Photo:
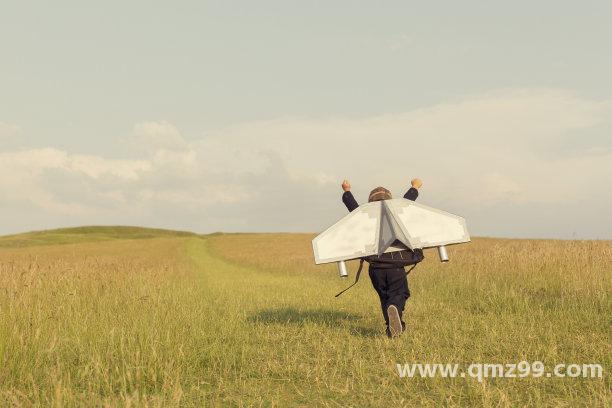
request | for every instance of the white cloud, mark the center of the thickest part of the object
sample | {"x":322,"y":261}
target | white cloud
{"x":96,"y":167}
{"x":505,"y":154}
{"x":36,"y":161}
{"x":155,"y":135}
{"x":507,"y":135}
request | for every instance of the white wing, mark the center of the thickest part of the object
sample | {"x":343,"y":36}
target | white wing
{"x":376,"y":227}
{"x":425,"y":227}
{"x":352,"y":237}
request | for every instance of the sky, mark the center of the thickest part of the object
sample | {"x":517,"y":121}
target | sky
{"x":246,"y":116}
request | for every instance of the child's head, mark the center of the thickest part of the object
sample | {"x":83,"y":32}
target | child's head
{"x":379,"y":193}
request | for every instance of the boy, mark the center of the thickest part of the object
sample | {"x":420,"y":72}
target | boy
{"x":387,"y":271}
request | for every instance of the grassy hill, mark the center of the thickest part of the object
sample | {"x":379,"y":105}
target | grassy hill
{"x":247,"y":319}
{"x":85,"y":234}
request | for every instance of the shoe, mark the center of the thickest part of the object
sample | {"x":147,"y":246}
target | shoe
{"x":395,"y":323}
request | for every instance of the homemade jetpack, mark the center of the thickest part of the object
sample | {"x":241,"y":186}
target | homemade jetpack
{"x":388,"y":226}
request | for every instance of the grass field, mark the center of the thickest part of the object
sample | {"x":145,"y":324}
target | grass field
{"x":131,"y":317}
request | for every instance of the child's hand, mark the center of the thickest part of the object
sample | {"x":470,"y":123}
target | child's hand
{"x":416,"y":183}
{"x":346,"y":186}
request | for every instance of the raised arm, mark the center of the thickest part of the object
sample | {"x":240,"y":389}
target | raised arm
{"x":413,"y":192}
{"x":347,"y":197}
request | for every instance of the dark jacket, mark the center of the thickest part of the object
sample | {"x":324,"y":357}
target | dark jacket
{"x":351,"y":203}
{"x":397,"y":259}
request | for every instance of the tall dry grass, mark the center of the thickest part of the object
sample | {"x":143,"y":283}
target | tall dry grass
{"x":95,"y":323}
{"x":248,"y":320}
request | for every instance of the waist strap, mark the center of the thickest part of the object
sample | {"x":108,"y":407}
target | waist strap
{"x":359,"y":274}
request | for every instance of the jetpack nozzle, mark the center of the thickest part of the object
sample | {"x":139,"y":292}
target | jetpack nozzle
{"x":342,"y":269}
{"x":442,"y":254}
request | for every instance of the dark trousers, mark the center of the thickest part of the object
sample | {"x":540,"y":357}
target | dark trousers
{"x":391,"y":284}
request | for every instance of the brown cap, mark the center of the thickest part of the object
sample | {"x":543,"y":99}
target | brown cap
{"x":378,"y":194}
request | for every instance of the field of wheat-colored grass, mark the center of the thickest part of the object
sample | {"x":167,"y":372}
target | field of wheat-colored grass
{"x":128,"y":317}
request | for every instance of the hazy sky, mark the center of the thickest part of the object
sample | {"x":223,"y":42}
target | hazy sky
{"x":246,"y":116}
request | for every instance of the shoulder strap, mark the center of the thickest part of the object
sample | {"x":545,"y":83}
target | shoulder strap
{"x":356,"y":278}
{"x":409,"y":270}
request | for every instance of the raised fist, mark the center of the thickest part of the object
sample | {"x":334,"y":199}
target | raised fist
{"x":346,"y":186}
{"x":416,"y":183}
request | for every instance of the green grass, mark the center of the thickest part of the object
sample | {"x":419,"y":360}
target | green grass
{"x":248,"y":320}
